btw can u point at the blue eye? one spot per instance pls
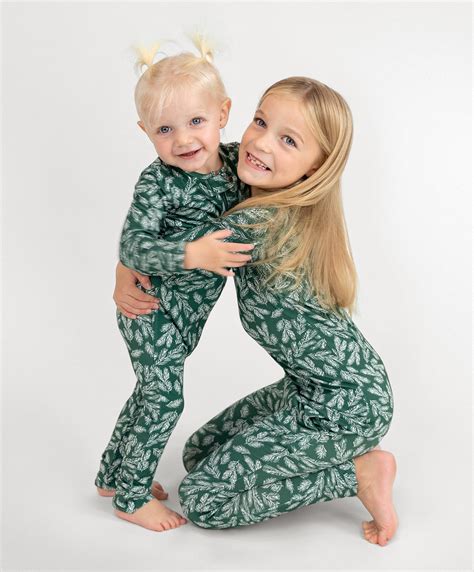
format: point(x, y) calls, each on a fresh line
point(197, 120)
point(289, 140)
point(164, 129)
point(259, 121)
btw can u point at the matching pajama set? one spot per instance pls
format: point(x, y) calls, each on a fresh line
point(167, 200)
point(292, 443)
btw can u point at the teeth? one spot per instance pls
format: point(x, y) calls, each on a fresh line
point(256, 162)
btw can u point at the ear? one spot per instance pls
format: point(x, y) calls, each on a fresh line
point(316, 166)
point(224, 114)
point(141, 125)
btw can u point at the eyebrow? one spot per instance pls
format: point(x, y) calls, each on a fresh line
point(288, 129)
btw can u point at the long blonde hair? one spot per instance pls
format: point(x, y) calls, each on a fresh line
point(309, 225)
point(185, 71)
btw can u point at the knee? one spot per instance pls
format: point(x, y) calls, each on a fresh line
point(191, 503)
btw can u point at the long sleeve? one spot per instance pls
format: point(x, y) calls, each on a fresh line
point(142, 247)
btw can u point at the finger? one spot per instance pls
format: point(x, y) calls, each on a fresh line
point(144, 281)
point(224, 272)
point(133, 310)
point(235, 264)
point(125, 313)
point(237, 258)
point(139, 305)
point(235, 246)
point(220, 233)
point(137, 294)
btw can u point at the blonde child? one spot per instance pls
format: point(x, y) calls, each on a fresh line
point(313, 435)
point(182, 105)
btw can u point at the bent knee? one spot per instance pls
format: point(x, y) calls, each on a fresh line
point(198, 506)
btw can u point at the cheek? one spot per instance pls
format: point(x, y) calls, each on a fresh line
point(163, 146)
point(246, 137)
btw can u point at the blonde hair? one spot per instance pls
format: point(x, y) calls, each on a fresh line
point(162, 80)
point(308, 235)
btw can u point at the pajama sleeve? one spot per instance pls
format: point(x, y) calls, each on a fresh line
point(142, 247)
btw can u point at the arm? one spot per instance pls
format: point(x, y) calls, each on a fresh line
point(141, 246)
point(206, 250)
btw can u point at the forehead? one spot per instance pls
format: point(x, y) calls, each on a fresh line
point(286, 111)
point(179, 103)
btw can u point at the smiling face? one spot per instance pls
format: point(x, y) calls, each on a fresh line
point(277, 148)
point(186, 133)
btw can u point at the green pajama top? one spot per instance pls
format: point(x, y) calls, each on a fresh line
point(291, 443)
point(167, 200)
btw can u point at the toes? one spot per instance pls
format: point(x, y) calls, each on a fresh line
point(158, 491)
point(370, 532)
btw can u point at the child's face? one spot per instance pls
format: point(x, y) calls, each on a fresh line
point(278, 148)
point(186, 133)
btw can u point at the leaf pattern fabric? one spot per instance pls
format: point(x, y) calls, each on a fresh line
point(292, 443)
point(166, 201)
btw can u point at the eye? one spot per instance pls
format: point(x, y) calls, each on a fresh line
point(289, 141)
point(259, 121)
point(164, 129)
point(197, 120)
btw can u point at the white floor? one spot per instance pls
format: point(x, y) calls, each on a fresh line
point(54, 520)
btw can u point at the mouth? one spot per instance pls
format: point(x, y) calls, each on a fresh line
point(256, 163)
point(189, 154)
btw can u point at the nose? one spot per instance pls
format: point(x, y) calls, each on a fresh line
point(262, 143)
point(182, 137)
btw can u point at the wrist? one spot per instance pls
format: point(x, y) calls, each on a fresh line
point(188, 262)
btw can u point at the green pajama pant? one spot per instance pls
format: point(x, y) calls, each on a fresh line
point(259, 459)
point(158, 344)
point(292, 443)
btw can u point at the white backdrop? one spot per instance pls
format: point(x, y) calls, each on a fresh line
point(71, 155)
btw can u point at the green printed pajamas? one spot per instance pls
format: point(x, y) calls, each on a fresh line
point(292, 443)
point(167, 200)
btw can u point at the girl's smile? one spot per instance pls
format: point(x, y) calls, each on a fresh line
point(255, 163)
point(190, 154)
point(278, 147)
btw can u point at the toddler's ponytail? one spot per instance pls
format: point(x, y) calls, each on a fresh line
point(145, 56)
point(204, 46)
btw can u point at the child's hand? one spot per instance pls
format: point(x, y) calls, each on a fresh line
point(129, 299)
point(210, 253)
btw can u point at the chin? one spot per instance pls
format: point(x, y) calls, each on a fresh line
point(246, 176)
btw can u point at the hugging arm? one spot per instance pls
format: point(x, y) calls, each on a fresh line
point(205, 247)
point(142, 247)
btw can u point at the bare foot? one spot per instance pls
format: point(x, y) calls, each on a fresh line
point(156, 490)
point(375, 472)
point(155, 516)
